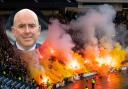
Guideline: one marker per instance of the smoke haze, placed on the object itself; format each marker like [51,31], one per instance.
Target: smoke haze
[58,37]
[96,24]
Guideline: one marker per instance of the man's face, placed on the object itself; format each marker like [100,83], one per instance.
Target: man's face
[26,30]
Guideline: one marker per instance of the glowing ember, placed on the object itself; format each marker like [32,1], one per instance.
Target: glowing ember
[74,65]
[52,51]
[104,61]
[45,80]
[86,61]
[108,60]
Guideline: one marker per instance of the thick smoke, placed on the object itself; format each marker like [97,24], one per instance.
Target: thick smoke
[58,37]
[96,26]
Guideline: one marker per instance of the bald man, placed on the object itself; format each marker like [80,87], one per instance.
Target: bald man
[26,29]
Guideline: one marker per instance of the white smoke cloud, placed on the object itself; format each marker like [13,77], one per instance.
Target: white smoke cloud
[96,24]
[58,37]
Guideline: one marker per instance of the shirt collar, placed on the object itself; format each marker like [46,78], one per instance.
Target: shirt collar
[21,48]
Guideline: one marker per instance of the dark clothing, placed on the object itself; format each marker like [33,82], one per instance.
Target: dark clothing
[37,45]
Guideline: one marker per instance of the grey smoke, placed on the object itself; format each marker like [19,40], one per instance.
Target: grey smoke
[96,23]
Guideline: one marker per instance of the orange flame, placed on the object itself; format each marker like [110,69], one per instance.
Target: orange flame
[58,64]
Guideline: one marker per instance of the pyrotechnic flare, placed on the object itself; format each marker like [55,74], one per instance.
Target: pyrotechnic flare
[100,53]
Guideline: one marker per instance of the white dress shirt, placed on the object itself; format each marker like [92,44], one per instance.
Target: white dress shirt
[21,48]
